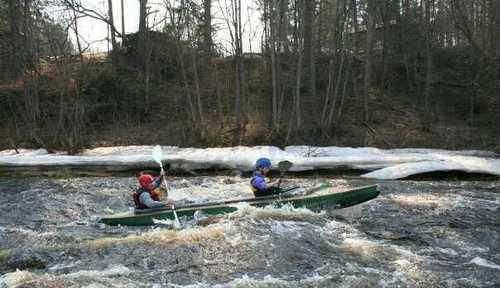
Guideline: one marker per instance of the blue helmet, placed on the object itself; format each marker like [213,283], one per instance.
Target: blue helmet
[263,163]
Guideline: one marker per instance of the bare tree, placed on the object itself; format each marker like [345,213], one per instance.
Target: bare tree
[111,23]
[207,26]
[238,55]
[80,9]
[370,34]
[179,25]
[77,35]
[496,6]
[194,65]
[299,30]
[355,50]
[14,15]
[335,68]
[31,95]
[232,16]
[309,8]
[271,8]
[122,6]
[428,56]
[142,15]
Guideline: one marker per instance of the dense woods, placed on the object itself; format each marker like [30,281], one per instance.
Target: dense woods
[396,73]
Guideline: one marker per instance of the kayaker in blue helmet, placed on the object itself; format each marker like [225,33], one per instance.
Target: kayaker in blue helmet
[258,183]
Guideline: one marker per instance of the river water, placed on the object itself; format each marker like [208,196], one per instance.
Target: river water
[415,234]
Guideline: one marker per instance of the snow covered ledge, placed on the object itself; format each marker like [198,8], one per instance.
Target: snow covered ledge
[472,165]
[385,164]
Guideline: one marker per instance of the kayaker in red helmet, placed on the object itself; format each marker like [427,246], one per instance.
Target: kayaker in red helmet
[146,196]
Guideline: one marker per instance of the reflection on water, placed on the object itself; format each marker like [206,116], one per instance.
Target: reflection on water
[415,234]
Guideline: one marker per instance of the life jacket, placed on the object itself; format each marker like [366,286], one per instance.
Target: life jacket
[257,176]
[262,192]
[137,201]
[253,188]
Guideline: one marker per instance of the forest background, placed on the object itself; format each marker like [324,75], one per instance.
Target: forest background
[396,73]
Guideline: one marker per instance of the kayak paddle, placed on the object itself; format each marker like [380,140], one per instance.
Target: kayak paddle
[157,155]
[283,166]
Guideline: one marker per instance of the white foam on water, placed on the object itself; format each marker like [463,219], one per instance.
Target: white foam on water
[267,282]
[166,222]
[410,272]
[239,239]
[350,214]
[484,263]
[285,227]
[210,189]
[467,248]
[15,279]
[369,250]
[99,285]
[285,212]
[163,237]
[362,247]
[32,233]
[115,270]
[18,278]
[389,278]
[453,203]
[447,251]
[394,279]
[334,232]
[436,204]
[62,266]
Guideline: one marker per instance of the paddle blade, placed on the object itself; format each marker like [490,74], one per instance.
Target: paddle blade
[284,166]
[157,154]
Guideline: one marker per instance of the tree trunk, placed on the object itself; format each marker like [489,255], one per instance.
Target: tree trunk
[142,15]
[370,34]
[428,55]
[354,39]
[300,51]
[282,49]
[342,96]
[274,74]
[472,100]
[336,92]
[14,18]
[283,27]
[112,24]
[354,8]
[386,20]
[77,37]
[308,47]
[238,71]
[197,86]
[189,98]
[123,21]
[30,85]
[497,30]
[199,104]
[326,103]
[207,26]
[144,49]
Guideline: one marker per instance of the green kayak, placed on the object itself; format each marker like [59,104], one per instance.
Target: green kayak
[317,202]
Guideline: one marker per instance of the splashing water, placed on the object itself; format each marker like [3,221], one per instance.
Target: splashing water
[415,234]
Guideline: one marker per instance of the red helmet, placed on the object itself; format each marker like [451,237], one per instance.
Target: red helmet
[145,180]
